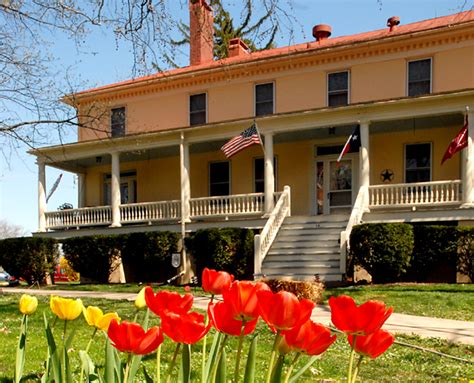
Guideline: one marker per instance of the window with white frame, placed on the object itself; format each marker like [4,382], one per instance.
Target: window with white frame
[264,99]
[259,174]
[198,109]
[419,77]
[219,178]
[117,122]
[418,162]
[128,188]
[338,88]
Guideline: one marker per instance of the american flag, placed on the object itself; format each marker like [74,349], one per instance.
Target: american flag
[247,138]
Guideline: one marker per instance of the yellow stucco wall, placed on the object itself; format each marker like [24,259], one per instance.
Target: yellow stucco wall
[453,69]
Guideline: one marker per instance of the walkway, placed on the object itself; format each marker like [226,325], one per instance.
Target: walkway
[451,330]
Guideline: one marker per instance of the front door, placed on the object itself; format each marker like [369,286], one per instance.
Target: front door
[334,185]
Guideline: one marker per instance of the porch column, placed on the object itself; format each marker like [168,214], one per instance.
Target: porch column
[41,195]
[81,190]
[364,164]
[115,190]
[185,183]
[468,163]
[269,173]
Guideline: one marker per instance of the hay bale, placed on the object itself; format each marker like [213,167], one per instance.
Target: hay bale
[312,290]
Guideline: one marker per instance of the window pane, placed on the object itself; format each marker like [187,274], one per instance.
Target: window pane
[338,81]
[117,122]
[219,178]
[419,77]
[197,118]
[419,88]
[263,99]
[197,102]
[337,99]
[418,163]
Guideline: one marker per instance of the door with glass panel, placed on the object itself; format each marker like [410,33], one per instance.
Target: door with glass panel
[334,186]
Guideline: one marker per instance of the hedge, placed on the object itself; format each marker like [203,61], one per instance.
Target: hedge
[145,256]
[31,258]
[228,249]
[383,249]
[465,264]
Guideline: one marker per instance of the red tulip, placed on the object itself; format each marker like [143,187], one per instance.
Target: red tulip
[164,301]
[130,337]
[373,345]
[360,320]
[310,338]
[242,299]
[216,282]
[222,319]
[283,311]
[186,328]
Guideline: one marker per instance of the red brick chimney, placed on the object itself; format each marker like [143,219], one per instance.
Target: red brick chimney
[201,32]
[237,47]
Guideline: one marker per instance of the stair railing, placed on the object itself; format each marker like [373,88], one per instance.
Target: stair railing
[360,207]
[264,240]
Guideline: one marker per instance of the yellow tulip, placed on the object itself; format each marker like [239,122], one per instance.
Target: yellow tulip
[96,318]
[28,304]
[66,309]
[140,299]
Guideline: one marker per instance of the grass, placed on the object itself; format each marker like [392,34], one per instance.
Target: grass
[450,301]
[399,364]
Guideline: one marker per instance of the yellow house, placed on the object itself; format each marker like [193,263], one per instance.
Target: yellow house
[148,153]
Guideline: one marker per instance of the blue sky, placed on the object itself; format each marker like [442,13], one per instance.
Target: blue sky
[103,62]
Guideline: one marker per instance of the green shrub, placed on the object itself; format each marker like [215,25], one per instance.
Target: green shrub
[146,256]
[384,249]
[31,258]
[228,249]
[92,256]
[435,253]
[465,264]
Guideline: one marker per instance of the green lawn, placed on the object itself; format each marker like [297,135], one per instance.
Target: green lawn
[399,364]
[449,301]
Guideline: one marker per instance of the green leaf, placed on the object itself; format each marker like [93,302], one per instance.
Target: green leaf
[113,367]
[54,359]
[302,370]
[66,365]
[88,367]
[21,349]
[221,376]
[277,369]
[148,378]
[137,359]
[212,354]
[186,363]
[251,361]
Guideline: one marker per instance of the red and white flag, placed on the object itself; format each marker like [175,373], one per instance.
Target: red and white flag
[458,143]
[247,138]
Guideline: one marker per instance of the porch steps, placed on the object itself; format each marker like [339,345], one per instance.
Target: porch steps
[305,247]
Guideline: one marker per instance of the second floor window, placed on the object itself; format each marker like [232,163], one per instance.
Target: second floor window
[264,99]
[419,77]
[418,162]
[197,109]
[338,88]
[117,122]
[219,178]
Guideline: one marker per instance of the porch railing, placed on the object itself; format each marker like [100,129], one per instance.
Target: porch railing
[231,205]
[415,194]
[150,211]
[87,216]
[264,240]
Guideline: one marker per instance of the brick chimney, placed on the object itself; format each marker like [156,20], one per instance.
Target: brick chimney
[237,47]
[201,32]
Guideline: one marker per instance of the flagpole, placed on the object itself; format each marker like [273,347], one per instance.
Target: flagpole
[259,135]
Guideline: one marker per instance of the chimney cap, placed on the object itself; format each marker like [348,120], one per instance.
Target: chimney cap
[321,31]
[202,3]
[393,22]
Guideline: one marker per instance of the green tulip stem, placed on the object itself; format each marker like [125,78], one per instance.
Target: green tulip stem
[64,330]
[217,360]
[158,364]
[204,341]
[356,371]
[239,351]
[292,366]
[136,316]
[173,362]
[91,339]
[272,356]
[127,368]
[351,360]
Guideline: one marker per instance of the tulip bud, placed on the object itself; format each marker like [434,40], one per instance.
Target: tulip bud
[28,304]
[140,302]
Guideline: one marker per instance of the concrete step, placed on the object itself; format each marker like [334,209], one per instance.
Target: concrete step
[336,277]
[318,218]
[306,265]
[297,243]
[314,226]
[307,236]
[301,251]
[301,257]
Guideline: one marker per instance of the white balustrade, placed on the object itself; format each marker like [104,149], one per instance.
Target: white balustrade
[87,216]
[415,194]
[150,211]
[264,240]
[231,205]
